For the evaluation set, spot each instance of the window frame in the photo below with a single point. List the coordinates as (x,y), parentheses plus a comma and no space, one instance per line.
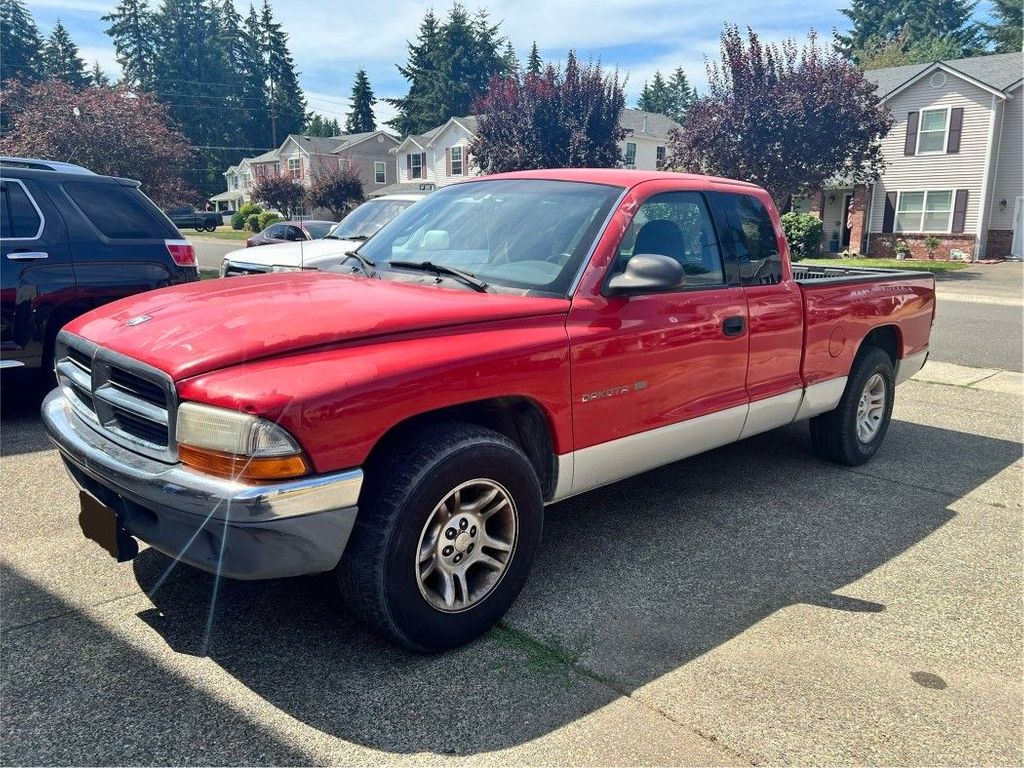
(460,161)
(625,157)
(35,205)
(924,209)
(416,165)
(920,130)
(296,171)
(709,213)
(660,154)
(380,168)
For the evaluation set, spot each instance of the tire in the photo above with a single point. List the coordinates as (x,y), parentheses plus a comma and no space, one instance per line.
(379,574)
(835,435)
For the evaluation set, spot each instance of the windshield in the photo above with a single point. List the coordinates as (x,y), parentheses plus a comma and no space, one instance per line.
(365,220)
(318,229)
(527,234)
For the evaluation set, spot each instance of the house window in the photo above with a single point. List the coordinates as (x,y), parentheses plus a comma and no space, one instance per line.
(246,178)
(416,167)
(294,167)
(925,211)
(380,172)
(344,163)
(630,154)
(457,161)
(931,136)
(660,157)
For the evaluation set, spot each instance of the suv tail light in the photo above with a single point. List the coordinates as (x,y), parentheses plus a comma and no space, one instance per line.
(182,252)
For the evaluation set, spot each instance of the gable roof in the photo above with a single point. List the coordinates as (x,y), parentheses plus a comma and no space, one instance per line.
(351,139)
(266,157)
(996,73)
(646,124)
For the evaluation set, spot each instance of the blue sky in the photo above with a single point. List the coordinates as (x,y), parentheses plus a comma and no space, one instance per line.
(331,40)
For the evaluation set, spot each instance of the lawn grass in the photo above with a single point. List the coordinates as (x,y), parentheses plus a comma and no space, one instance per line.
(221,233)
(208,274)
(913,264)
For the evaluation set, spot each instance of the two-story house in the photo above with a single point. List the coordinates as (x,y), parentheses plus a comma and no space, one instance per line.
(954,165)
(302,157)
(441,156)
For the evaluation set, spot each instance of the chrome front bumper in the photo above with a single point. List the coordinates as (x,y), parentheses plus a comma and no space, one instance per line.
(216,524)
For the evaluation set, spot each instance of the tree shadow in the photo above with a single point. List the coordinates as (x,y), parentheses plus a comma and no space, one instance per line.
(21,395)
(632,581)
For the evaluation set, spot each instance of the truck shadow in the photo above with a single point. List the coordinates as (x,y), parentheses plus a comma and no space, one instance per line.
(21,395)
(632,581)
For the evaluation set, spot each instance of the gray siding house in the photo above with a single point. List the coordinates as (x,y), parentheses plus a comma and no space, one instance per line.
(954,165)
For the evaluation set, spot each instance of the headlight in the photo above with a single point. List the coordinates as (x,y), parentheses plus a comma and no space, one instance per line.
(237,445)
(224,268)
(285,269)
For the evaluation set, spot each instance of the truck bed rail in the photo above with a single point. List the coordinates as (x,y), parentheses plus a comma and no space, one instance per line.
(817,274)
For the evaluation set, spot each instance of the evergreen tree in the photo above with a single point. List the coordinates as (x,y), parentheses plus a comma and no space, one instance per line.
(134,33)
(253,83)
(449,67)
(876,22)
(228,81)
(534,65)
(286,100)
(20,44)
(655,96)
(97,76)
(682,95)
(361,118)
(1005,36)
(60,58)
(509,59)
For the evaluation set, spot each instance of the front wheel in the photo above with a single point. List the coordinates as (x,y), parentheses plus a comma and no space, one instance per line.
(447,530)
(853,432)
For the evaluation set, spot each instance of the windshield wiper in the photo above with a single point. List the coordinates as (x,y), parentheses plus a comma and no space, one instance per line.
(368,266)
(428,266)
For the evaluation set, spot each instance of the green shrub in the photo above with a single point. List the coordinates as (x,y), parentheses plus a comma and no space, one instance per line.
(237,220)
(249,209)
(267,218)
(252,222)
(803,231)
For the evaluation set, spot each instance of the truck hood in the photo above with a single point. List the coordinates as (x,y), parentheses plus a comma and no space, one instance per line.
(200,327)
(293,254)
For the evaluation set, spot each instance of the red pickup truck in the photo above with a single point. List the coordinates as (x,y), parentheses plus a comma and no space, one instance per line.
(513,340)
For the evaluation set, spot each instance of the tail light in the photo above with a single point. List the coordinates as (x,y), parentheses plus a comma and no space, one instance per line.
(182,252)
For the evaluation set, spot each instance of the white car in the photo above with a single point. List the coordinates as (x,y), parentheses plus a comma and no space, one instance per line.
(347,235)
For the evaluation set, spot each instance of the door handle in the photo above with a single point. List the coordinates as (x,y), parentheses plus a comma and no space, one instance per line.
(733,326)
(27,255)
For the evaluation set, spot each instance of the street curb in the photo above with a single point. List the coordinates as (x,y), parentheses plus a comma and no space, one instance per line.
(990,379)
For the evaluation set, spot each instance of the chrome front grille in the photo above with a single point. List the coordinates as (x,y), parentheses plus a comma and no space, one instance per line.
(132,403)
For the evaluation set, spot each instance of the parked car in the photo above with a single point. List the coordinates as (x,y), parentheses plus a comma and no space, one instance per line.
(508,342)
(71,240)
(290,232)
(190,218)
(347,234)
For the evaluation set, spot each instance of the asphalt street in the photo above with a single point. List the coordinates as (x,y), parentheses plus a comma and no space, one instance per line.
(210,253)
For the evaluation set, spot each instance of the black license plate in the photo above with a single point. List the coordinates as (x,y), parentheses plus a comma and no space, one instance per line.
(100,524)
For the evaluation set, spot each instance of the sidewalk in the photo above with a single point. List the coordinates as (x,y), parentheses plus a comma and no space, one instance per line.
(990,379)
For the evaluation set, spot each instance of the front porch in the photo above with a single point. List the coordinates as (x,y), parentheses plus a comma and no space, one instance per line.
(843,212)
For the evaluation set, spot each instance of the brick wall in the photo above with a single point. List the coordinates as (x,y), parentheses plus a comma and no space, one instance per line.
(998,244)
(882,245)
(858,217)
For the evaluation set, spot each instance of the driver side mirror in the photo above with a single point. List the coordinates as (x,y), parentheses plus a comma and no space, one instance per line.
(647,273)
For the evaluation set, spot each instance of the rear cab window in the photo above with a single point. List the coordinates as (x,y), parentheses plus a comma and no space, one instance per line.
(748,236)
(119,212)
(19,217)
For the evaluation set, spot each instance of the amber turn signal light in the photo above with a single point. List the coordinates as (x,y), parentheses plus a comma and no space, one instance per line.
(256,469)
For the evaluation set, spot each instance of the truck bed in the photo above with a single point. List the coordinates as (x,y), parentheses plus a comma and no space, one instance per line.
(818,274)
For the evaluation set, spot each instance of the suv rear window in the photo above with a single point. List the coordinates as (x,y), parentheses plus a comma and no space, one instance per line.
(116,211)
(18,216)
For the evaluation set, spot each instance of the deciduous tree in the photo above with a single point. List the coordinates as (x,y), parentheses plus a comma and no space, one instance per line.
(361,118)
(558,119)
(277,191)
(786,117)
(336,189)
(113,131)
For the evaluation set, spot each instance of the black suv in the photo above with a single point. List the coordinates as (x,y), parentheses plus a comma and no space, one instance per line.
(71,240)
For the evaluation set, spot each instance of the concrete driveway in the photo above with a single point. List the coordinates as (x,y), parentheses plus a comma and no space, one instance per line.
(753,605)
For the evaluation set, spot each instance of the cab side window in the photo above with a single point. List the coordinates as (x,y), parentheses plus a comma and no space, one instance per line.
(18,216)
(677,225)
(748,232)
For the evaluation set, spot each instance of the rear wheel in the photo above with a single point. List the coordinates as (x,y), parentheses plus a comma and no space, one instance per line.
(447,530)
(853,432)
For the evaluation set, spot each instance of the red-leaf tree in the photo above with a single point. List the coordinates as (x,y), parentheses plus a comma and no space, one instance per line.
(113,131)
(336,189)
(786,117)
(556,119)
(279,192)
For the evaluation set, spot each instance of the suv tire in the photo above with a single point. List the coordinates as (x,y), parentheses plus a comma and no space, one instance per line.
(852,432)
(456,499)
